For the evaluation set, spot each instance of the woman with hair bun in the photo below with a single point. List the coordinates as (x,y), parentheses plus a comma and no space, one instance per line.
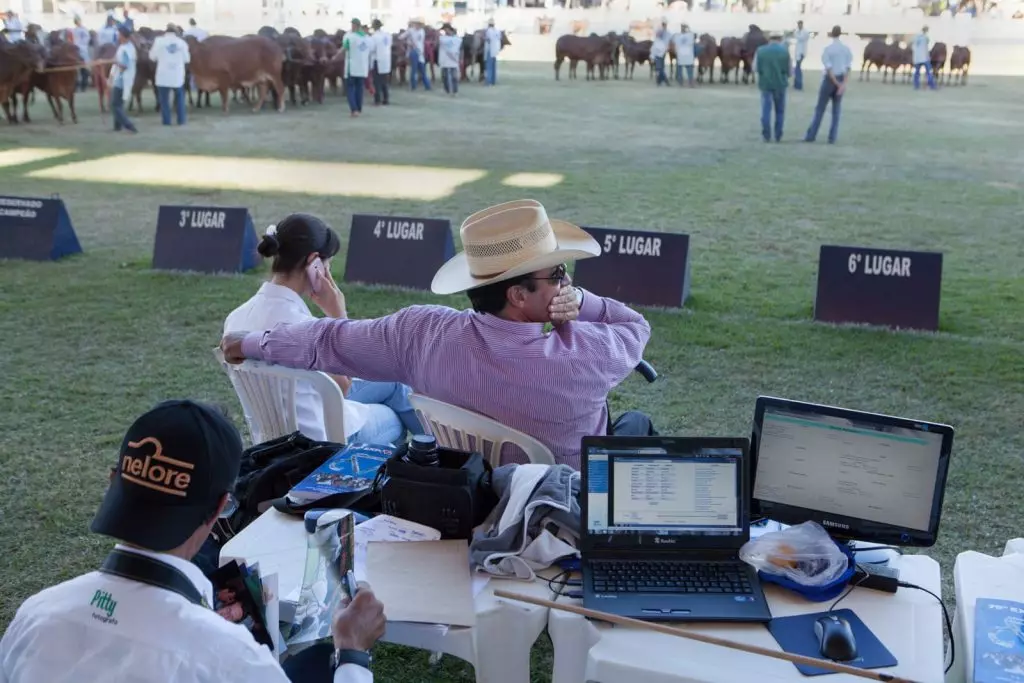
(302,247)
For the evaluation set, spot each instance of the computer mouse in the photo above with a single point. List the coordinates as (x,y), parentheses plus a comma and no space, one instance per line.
(835,638)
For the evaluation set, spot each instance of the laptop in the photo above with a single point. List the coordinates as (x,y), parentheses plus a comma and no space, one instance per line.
(665,519)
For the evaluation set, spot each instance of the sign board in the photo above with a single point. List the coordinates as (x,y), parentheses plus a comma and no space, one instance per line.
(208,239)
(879,287)
(36,229)
(397,250)
(642,268)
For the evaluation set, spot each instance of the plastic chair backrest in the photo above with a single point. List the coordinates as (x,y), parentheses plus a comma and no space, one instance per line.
(462,429)
(267,395)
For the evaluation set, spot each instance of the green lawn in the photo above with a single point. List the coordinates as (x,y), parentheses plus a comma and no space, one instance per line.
(92,341)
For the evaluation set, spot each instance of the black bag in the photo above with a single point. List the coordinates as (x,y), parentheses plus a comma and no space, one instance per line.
(270,469)
(453,497)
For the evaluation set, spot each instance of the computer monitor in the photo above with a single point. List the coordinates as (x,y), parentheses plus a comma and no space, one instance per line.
(657,491)
(862,476)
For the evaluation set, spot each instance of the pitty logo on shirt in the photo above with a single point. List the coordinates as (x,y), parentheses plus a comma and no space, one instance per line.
(105,603)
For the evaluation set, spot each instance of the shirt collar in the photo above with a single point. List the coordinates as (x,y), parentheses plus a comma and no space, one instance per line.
(270,289)
(510,326)
(191,571)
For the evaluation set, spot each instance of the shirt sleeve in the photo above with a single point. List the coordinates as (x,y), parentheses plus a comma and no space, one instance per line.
(352,673)
(612,331)
(826,59)
(387,349)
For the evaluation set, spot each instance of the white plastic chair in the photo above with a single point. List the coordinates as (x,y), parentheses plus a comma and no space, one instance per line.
(456,427)
(267,394)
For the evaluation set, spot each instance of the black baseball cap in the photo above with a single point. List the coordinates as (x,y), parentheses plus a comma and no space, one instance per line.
(175,463)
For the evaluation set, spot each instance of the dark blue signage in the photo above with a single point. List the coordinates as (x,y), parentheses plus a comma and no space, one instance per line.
(208,239)
(36,229)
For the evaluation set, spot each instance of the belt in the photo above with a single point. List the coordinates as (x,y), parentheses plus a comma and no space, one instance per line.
(146,570)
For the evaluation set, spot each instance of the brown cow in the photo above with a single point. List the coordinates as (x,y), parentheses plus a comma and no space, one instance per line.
(592,50)
(474,52)
(896,59)
(875,53)
(636,52)
(18,62)
(104,53)
(238,62)
(707,53)
(58,85)
(959,61)
(752,39)
(298,60)
(145,69)
(730,53)
(938,59)
(323,53)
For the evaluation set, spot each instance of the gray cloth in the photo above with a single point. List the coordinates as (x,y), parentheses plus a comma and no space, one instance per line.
(536,521)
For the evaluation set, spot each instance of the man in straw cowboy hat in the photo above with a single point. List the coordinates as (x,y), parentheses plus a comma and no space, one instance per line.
(496,359)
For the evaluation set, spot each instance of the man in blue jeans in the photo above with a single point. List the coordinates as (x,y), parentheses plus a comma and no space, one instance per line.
(121,78)
(801,37)
(172,57)
(772,63)
(492,46)
(357,65)
(837,60)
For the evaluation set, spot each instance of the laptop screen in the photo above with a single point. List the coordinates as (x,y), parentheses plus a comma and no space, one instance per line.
(664,492)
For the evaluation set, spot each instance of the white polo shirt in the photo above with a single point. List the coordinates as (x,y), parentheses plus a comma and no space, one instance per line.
(99,627)
(196,32)
(921,54)
(271,306)
(357,61)
(684,48)
(417,38)
(171,56)
(382,50)
(450,49)
(493,38)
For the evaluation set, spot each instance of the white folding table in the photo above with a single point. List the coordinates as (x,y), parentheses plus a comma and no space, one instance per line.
(908,623)
(976,575)
(498,646)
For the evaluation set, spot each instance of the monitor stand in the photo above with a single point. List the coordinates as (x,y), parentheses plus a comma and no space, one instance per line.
(882,557)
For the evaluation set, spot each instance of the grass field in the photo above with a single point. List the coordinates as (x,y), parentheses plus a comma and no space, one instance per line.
(92,341)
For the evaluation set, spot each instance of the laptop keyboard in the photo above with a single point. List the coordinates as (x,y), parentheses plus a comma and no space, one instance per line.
(656,576)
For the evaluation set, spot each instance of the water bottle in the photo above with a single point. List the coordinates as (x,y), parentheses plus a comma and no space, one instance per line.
(422,451)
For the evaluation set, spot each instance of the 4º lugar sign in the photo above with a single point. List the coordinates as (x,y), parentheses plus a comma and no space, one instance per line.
(397,250)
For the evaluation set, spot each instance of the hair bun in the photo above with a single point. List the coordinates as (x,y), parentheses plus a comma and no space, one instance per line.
(268,246)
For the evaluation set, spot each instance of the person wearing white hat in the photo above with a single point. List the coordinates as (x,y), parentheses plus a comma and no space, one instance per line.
(417,40)
(659,50)
(496,359)
(492,46)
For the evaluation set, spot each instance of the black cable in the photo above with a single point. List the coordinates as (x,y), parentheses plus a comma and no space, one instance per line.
(945,617)
(848,591)
(562,585)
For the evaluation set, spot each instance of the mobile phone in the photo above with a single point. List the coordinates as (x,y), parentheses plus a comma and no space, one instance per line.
(350,583)
(313,272)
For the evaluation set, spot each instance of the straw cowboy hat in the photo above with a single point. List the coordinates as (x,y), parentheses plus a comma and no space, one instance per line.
(509,240)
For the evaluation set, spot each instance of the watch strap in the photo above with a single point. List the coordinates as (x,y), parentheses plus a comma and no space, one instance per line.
(357,657)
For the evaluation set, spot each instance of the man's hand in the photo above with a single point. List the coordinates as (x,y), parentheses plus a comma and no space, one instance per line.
(361,623)
(841,89)
(231,347)
(330,299)
(565,306)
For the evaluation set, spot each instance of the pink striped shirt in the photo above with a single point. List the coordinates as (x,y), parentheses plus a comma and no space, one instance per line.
(552,386)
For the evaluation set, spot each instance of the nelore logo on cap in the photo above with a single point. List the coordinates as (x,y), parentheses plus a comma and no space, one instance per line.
(156,471)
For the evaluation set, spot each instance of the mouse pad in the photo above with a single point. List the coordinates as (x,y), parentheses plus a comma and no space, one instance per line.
(795,635)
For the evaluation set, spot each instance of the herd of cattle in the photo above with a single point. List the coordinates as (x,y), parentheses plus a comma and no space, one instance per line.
(244,67)
(734,55)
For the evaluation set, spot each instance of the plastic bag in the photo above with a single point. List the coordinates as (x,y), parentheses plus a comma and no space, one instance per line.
(804,553)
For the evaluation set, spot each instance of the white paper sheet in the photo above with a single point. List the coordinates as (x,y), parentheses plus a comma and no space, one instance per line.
(425,582)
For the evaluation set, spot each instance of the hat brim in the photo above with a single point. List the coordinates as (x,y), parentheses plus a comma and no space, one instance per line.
(574,244)
(158,528)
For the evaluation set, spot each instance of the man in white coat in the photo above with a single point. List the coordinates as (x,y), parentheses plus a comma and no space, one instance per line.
(172,58)
(358,47)
(922,58)
(382,41)
(684,44)
(801,37)
(659,49)
(449,50)
(492,46)
(416,39)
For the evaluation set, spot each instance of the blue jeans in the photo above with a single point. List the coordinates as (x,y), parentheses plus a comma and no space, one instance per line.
(827,93)
(417,67)
(450,75)
(83,79)
(659,68)
(928,72)
(354,87)
(679,73)
(798,75)
(121,119)
(164,95)
(491,72)
(770,98)
(394,395)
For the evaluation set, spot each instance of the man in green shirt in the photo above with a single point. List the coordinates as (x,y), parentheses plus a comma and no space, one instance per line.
(772,61)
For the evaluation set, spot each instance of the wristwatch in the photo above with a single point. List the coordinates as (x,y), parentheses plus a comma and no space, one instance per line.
(357,657)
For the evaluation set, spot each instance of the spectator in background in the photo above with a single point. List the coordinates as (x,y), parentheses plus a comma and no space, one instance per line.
(122,78)
(802,36)
(80,37)
(837,60)
(922,59)
(358,47)
(659,49)
(172,57)
(772,62)
(13,29)
(108,34)
(145,614)
(417,54)
(126,22)
(194,31)
(381,64)
(492,46)
(375,412)
(449,51)
(684,43)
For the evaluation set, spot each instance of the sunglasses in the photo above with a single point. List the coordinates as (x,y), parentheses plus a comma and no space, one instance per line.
(557,275)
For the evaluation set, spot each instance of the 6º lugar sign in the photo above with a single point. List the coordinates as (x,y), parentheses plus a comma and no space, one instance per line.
(397,250)
(207,239)
(898,289)
(643,268)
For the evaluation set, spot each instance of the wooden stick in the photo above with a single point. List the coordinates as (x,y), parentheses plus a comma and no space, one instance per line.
(711,640)
(75,67)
